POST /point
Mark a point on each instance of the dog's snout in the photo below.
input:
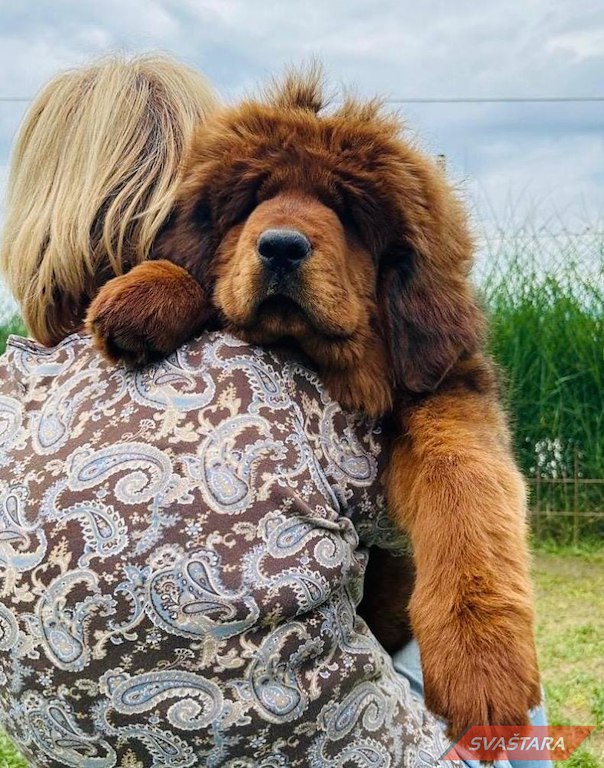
(283, 250)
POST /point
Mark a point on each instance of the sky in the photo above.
(533, 164)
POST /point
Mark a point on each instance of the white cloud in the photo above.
(586, 44)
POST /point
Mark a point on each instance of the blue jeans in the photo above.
(407, 663)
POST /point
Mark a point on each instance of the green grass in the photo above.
(547, 332)
(14, 326)
(570, 639)
(9, 758)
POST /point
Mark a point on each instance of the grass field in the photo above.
(570, 636)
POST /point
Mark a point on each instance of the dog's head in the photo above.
(329, 228)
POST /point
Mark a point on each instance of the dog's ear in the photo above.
(432, 317)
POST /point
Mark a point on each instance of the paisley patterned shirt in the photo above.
(181, 556)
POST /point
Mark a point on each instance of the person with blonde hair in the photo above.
(92, 180)
(182, 548)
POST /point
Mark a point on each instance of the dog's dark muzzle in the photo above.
(282, 250)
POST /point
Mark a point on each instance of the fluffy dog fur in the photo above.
(384, 307)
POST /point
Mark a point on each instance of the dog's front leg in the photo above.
(453, 485)
(147, 313)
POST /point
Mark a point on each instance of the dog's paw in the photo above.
(478, 682)
(146, 314)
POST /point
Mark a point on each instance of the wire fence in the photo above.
(568, 509)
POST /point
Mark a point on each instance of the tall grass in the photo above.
(547, 333)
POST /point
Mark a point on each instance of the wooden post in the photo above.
(537, 506)
(576, 501)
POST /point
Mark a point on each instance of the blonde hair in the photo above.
(93, 178)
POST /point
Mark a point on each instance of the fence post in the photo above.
(537, 506)
(576, 501)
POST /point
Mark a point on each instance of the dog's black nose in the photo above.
(283, 250)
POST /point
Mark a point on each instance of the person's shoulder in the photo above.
(225, 345)
(224, 353)
(25, 357)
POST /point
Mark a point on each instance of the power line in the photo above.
(500, 100)
(519, 234)
(444, 100)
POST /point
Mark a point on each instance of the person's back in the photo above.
(179, 556)
(182, 567)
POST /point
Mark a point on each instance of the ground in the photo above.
(570, 636)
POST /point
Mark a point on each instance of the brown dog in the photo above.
(330, 230)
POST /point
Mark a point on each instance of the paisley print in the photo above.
(199, 700)
(229, 458)
(182, 551)
(189, 599)
(52, 731)
(22, 541)
(10, 422)
(9, 629)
